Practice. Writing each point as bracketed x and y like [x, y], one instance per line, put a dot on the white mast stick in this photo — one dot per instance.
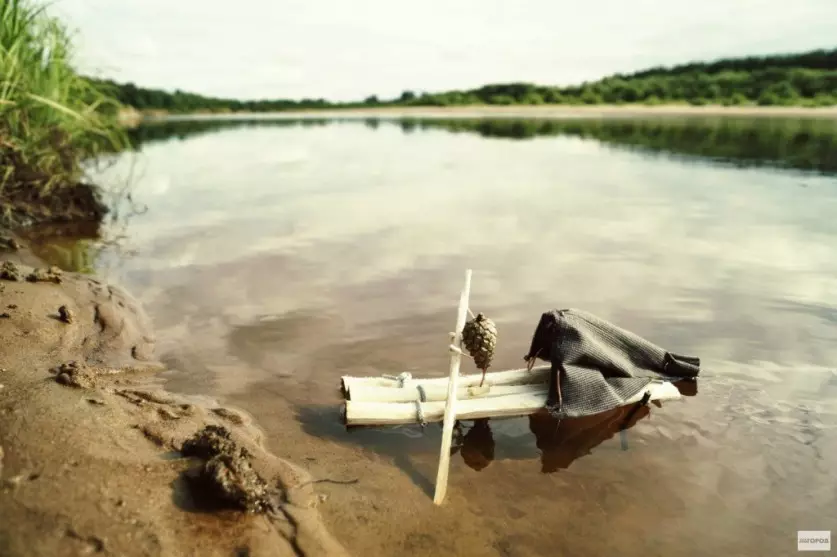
[450, 405]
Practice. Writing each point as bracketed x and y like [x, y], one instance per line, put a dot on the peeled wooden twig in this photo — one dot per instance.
[451, 401]
[521, 376]
[410, 392]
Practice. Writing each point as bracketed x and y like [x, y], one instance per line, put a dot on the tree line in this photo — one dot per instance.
[806, 79]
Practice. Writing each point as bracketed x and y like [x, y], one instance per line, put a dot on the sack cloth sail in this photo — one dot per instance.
[596, 365]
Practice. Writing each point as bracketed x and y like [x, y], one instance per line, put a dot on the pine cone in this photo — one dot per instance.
[480, 339]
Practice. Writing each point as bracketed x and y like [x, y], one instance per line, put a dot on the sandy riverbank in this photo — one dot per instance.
[91, 453]
[540, 111]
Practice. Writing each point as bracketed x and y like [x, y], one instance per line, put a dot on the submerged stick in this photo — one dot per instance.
[450, 405]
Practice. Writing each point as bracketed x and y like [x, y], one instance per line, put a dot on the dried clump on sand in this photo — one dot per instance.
[8, 243]
[9, 271]
[227, 471]
[97, 468]
[53, 274]
[73, 374]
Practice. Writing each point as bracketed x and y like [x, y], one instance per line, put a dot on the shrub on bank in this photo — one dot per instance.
[51, 120]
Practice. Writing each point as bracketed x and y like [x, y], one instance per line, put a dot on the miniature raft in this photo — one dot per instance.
[396, 400]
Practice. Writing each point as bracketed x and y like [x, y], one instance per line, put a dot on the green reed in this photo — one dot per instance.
[51, 118]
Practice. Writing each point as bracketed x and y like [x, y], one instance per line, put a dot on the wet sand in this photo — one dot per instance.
[91, 447]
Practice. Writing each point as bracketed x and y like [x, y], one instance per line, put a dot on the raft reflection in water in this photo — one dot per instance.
[561, 442]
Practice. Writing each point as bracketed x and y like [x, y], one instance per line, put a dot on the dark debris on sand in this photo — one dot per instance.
[65, 315]
[53, 274]
[227, 472]
[75, 374]
[10, 271]
[7, 243]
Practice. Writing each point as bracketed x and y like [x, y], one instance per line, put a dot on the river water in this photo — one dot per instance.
[277, 256]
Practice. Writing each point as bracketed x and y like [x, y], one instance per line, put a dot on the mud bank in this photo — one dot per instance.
[96, 458]
[23, 205]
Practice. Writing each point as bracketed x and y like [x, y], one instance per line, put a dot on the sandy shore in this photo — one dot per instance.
[541, 111]
[92, 449]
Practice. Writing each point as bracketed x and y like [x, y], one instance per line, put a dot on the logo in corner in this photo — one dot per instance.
[813, 540]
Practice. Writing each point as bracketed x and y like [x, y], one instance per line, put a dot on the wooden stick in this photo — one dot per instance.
[450, 404]
[521, 376]
[372, 413]
[410, 392]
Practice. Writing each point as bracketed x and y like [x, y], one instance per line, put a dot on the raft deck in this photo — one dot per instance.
[402, 399]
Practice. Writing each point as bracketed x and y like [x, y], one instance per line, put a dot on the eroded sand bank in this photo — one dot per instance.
[90, 446]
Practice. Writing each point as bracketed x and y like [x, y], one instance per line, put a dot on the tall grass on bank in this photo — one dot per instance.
[51, 119]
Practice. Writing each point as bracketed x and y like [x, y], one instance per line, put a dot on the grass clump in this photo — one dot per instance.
[52, 120]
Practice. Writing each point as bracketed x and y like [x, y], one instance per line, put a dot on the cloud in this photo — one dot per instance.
[341, 50]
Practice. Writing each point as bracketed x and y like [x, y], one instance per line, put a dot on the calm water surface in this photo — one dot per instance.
[275, 258]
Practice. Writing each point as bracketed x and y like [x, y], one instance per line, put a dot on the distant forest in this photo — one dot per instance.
[807, 79]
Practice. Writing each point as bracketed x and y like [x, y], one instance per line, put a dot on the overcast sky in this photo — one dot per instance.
[347, 49]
